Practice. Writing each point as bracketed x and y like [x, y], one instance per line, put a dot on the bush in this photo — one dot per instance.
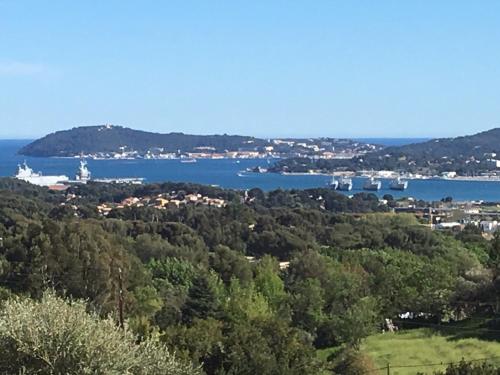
[353, 362]
[468, 368]
[54, 336]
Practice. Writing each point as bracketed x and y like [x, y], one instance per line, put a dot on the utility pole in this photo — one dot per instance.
[388, 369]
[120, 298]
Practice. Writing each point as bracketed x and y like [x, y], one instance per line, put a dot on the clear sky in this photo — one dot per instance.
[265, 68]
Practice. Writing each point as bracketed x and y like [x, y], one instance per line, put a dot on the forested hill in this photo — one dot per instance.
[465, 155]
[106, 138]
[470, 145]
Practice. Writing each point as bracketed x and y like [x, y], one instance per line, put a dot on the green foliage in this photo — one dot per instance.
[467, 368]
[358, 322]
[426, 346]
[269, 283]
[307, 302]
[245, 303]
[228, 264]
[200, 342]
[53, 336]
[266, 347]
[185, 277]
[353, 362]
[93, 139]
[202, 301]
[172, 272]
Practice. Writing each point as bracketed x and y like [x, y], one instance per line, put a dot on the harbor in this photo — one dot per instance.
[227, 173]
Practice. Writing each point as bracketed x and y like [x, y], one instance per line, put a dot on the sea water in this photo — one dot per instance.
[226, 173]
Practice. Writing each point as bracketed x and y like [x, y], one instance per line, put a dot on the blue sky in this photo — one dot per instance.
[264, 68]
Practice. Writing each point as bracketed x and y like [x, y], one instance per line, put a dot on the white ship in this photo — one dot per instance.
[372, 184]
[83, 174]
[398, 184]
[345, 184]
[27, 174]
[334, 184]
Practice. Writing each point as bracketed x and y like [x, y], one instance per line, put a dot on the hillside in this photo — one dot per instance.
[423, 350]
[427, 350]
[109, 141]
[466, 155]
[96, 139]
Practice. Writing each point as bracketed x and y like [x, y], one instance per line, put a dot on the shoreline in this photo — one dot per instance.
[385, 177]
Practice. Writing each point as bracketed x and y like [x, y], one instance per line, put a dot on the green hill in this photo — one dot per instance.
[107, 138]
[467, 155]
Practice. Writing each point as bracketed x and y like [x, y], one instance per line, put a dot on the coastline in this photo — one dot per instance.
[394, 175]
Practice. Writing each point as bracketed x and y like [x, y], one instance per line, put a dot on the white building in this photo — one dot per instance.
[489, 226]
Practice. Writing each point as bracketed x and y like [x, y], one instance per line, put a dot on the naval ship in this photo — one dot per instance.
[334, 184]
[398, 184]
[83, 176]
[344, 184]
[372, 184]
[27, 174]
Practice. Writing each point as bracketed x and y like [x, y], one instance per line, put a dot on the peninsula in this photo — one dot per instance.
[472, 156]
[117, 142]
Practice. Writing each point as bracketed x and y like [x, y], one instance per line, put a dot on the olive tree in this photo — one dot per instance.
[57, 336]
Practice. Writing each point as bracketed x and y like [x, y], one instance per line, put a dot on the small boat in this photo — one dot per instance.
[344, 184]
[372, 184]
[257, 169]
[334, 184]
[188, 160]
[398, 184]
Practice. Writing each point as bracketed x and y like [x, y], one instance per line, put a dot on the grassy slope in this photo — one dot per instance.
[423, 346]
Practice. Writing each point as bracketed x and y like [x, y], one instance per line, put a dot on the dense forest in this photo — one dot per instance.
[254, 287]
[467, 155]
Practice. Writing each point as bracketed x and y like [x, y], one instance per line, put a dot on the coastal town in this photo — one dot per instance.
[161, 202]
[445, 215]
[321, 148]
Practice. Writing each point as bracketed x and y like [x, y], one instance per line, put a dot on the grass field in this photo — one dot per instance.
[423, 347]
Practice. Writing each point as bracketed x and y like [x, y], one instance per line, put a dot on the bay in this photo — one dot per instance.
[224, 173]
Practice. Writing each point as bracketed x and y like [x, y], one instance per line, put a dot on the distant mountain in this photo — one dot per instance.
[110, 138]
[465, 155]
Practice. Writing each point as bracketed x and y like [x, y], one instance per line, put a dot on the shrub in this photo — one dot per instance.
[468, 368]
[353, 362]
[55, 336]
